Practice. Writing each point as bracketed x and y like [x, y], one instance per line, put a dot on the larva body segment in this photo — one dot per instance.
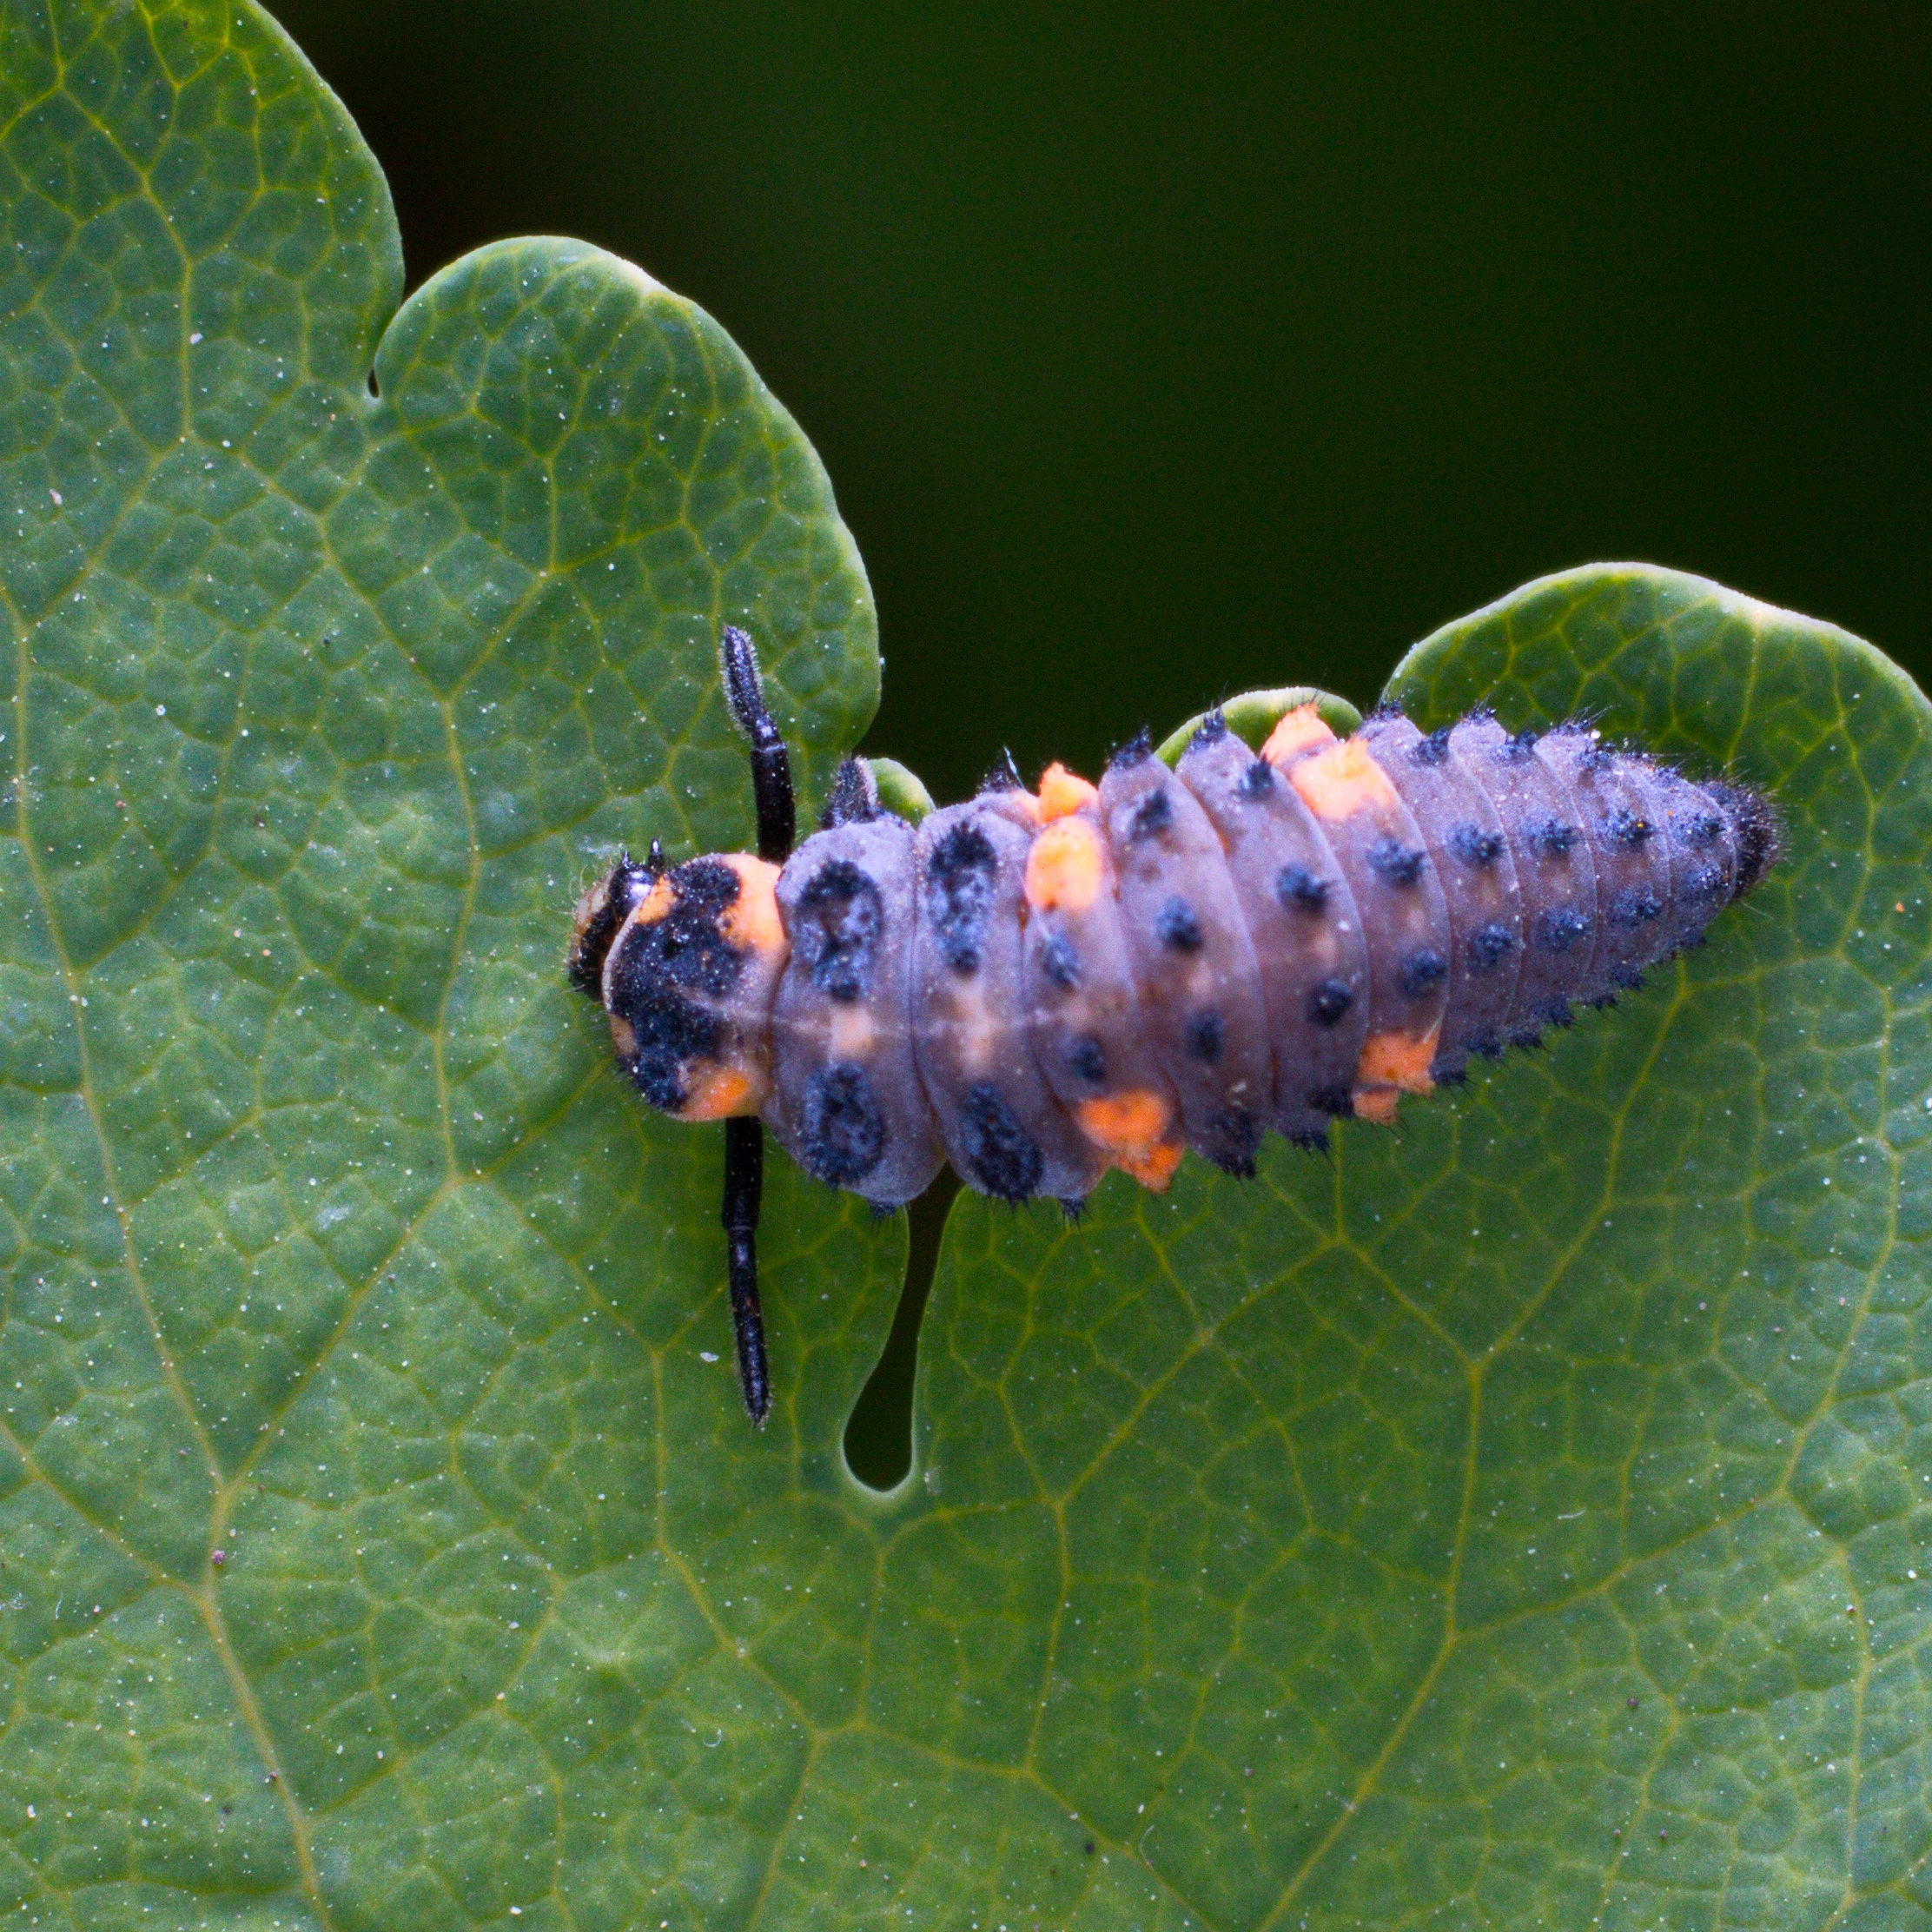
[1554, 873]
[847, 1102]
[1378, 848]
[1003, 1128]
[1461, 831]
[1038, 987]
[1091, 1034]
[1303, 924]
[1196, 973]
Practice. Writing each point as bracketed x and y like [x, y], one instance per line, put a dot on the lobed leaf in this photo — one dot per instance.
[1515, 1519]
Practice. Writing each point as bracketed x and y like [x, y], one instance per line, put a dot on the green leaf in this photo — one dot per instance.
[1255, 713]
[900, 791]
[1371, 1545]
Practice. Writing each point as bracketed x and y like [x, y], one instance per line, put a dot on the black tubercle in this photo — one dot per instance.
[854, 796]
[1421, 972]
[845, 1129]
[1257, 781]
[1176, 924]
[1296, 886]
[961, 877]
[668, 1031]
[1328, 999]
[1004, 1158]
[836, 929]
[1152, 816]
[1431, 750]
[1635, 905]
[1205, 1035]
[1398, 864]
[1490, 946]
[1476, 845]
[1211, 729]
[1559, 927]
[1233, 1139]
[1059, 961]
[1140, 746]
[1086, 1060]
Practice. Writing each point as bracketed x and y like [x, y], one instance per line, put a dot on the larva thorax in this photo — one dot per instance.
[1039, 986]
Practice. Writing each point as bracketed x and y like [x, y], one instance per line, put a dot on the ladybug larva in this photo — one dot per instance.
[1039, 986]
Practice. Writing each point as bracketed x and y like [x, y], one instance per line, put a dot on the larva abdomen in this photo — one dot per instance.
[1039, 986]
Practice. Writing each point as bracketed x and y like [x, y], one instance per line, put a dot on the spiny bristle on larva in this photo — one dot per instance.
[855, 796]
[1003, 775]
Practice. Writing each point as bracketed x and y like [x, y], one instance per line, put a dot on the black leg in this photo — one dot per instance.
[743, 1181]
[745, 1137]
[770, 768]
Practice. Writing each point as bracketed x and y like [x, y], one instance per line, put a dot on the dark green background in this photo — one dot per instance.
[1160, 352]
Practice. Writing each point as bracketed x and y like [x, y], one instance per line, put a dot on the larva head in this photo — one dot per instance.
[594, 924]
[685, 963]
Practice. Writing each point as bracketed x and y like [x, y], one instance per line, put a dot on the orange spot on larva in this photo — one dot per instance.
[1126, 1122]
[656, 903]
[1392, 1064]
[1066, 868]
[751, 920]
[1397, 1059]
[1342, 781]
[717, 1093]
[1130, 1129]
[1296, 731]
[1062, 793]
[1154, 1169]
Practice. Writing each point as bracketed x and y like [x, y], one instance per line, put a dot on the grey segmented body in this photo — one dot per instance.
[1039, 987]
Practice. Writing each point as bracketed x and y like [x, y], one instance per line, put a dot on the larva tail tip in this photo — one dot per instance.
[1755, 832]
